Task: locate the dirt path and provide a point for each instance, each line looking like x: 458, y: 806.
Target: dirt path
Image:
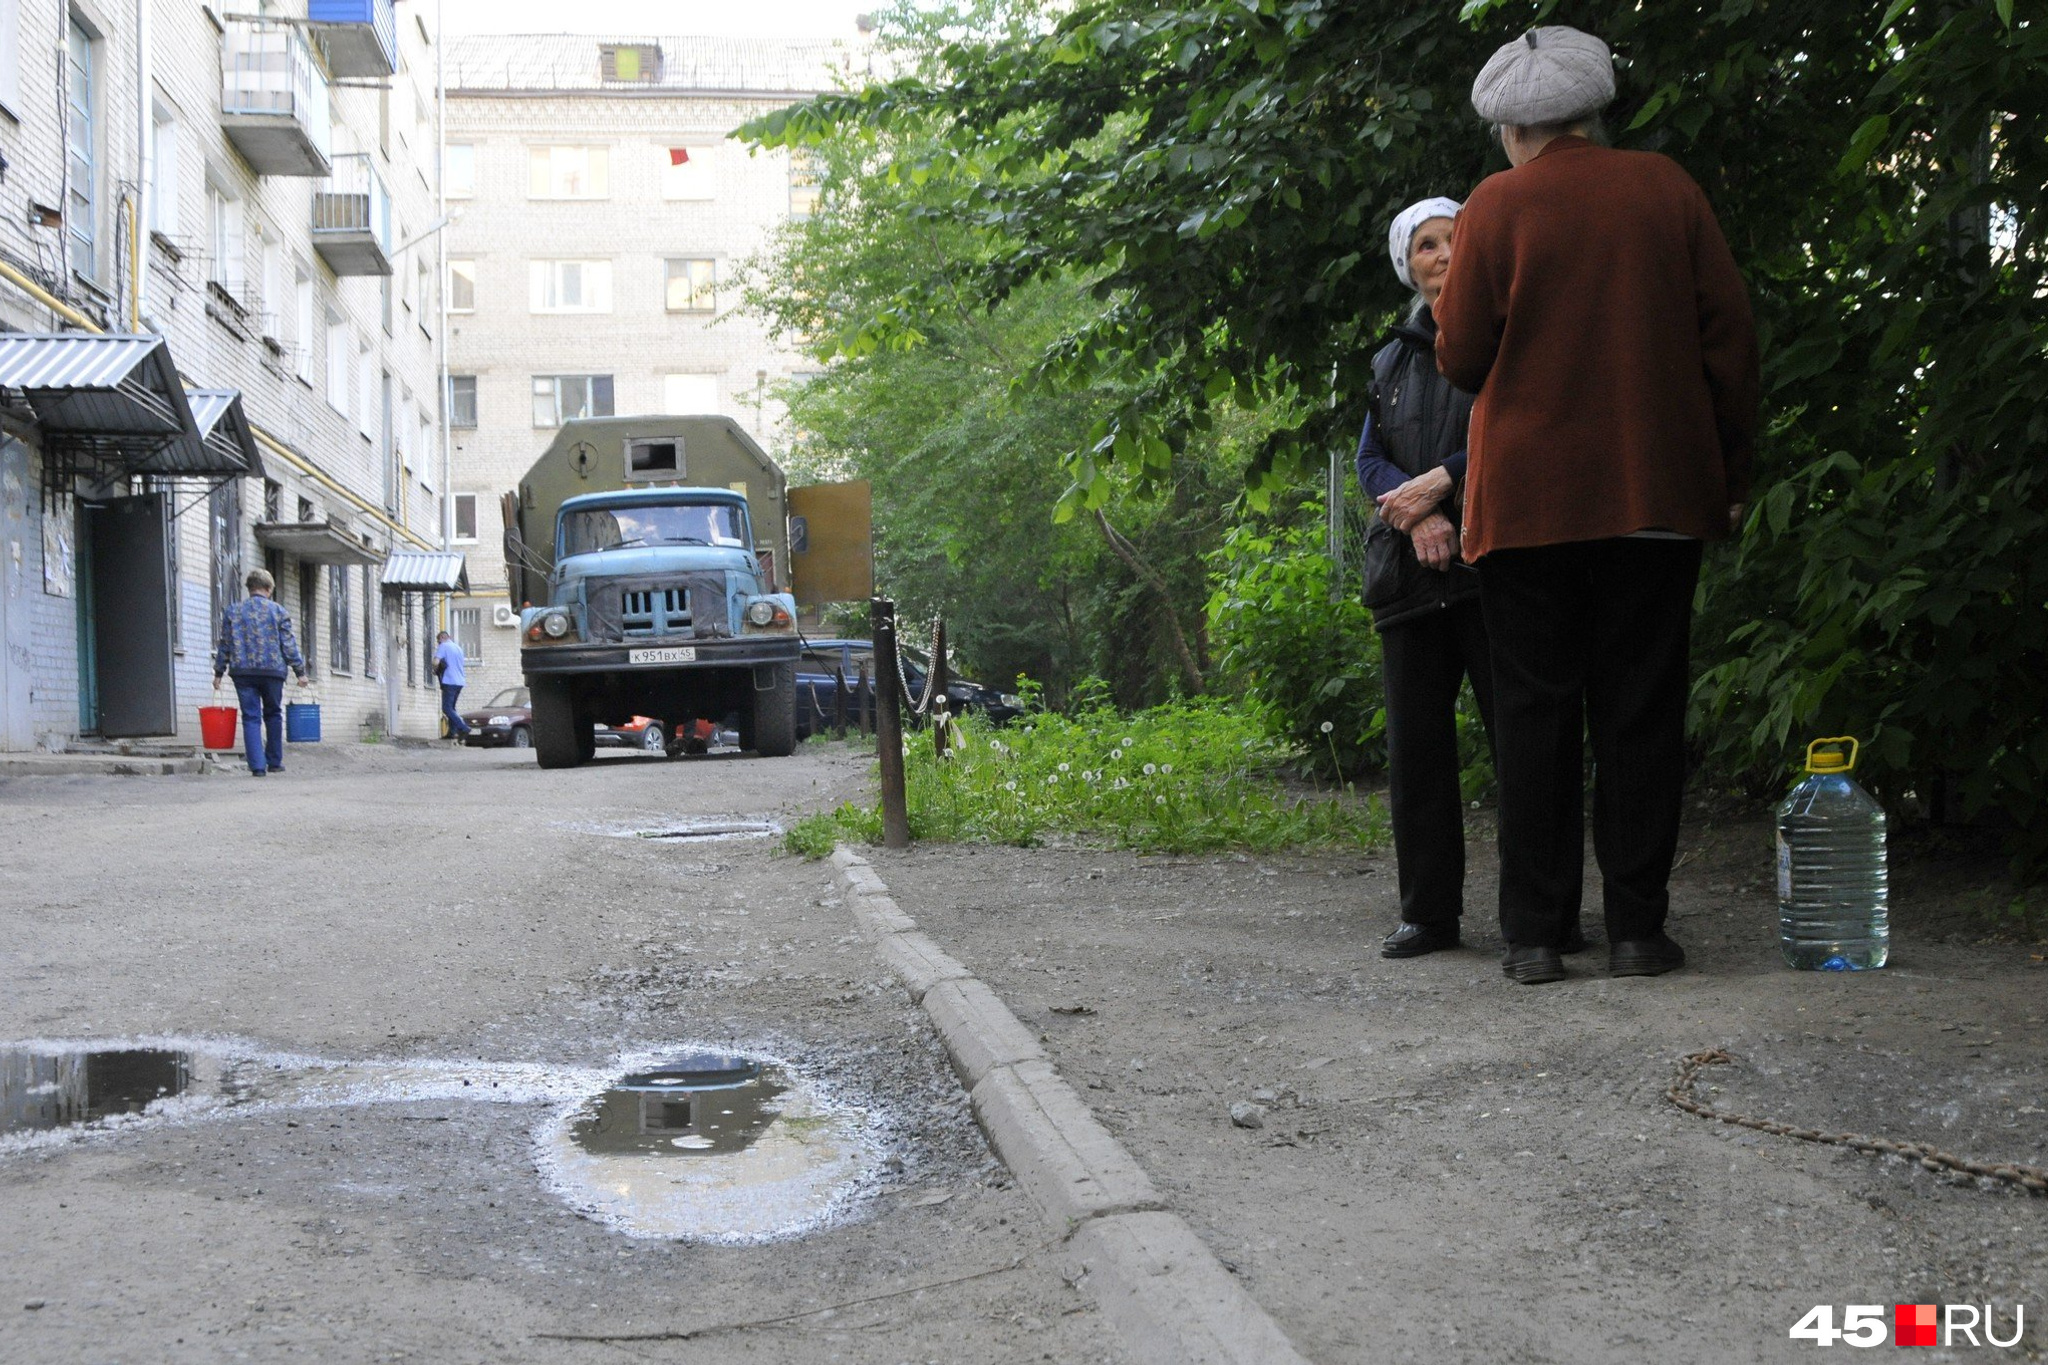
x: 1452, y: 1168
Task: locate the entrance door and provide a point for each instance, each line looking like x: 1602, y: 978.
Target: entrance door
x: 131, y: 616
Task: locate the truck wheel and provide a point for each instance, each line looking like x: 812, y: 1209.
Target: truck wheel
x: 775, y: 715
x: 558, y: 740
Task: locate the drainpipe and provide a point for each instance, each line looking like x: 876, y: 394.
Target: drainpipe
x: 145, y: 135
x: 441, y: 265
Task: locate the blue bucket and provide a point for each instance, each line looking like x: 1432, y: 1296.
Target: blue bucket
x: 302, y: 722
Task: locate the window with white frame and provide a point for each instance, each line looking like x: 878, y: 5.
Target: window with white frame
x: 461, y: 400
x: 272, y: 301
x: 568, y: 173
x: 163, y: 168
x: 341, y: 348
x: 226, y: 266
x: 458, y: 176
x: 461, y: 286
x: 423, y: 291
x: 570, y: 286
x: 465, y: 518
x: 302, y: 334
x: 366, y: 387
x: 689, y: 172
x: 692, y: 284
x: 686, y: 395
x: 466, y: 624
x: 430, y: 453
x: 81, y: 147
x: 558, y: 398
x: 10, y: 57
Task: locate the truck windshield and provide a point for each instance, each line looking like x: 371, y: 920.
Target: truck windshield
x: 615, y: 528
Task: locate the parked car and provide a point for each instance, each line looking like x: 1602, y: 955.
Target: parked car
x: 817, y: 685
x: 507, y: 719
x: 641, y: 732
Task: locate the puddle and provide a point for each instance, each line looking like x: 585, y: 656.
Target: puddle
x: 685, y: 1143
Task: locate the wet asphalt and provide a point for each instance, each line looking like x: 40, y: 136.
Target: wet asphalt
x: 394, y: 922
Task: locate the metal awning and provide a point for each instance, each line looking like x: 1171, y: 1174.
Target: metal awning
x: 224, y: 428
x: 315, y: 542
x: 114, y: 399
x: 425, y: 571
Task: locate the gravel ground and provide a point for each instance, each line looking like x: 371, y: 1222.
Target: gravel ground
x: 397, y: 906
x: 1450, y: 1167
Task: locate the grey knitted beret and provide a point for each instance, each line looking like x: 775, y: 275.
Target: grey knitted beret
x: 1548, y: 75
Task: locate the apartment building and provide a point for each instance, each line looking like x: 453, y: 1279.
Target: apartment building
x: 602, y: 207
x: 220, y: 289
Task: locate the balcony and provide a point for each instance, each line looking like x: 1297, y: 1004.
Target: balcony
x: 352, y: 218
x: 273, y: 99
x: 358, y: 37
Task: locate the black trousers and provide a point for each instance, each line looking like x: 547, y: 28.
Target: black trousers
x: 1590, y: 638
x: 1423, y: 660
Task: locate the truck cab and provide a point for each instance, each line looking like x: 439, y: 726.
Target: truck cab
x: 660, y: 595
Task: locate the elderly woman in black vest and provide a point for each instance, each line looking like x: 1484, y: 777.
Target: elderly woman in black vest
x: 1424, y: 598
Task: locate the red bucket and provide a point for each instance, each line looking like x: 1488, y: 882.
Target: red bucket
x: 219, y: 727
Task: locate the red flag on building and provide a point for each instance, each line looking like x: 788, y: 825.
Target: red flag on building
x: 678, y: 155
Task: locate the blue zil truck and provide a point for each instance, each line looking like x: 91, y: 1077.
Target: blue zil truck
x: 643, y: 554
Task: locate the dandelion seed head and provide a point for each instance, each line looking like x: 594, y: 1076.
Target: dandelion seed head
x: 1151, y: 768
x: 1327, y: 726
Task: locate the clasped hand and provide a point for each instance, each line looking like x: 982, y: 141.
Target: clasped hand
x: 1406, y: 506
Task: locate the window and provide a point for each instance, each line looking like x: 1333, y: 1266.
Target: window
x: 689, y: 394
x: 373, y: 620
x: 465, y: 517
x: 557, y: 398
x: 462, y: 286
x: 366, y: 387
x: 803, y: 184
x: 272, y: 299
x: 654, y: 458
x: 692, y: 285
x: 10, y: 56
x: 225, y: 266
x: 339, y: 348
x: 302, y: 334
x: 427, y: 633
x: 568, y: 173
x: 81, y: 145
x: 163, y: 170
x: 689, y: 173
x: 570, y: 286
x: 467, y: 626
x: 458, y: 177
x: 461, y: 400
x: 635, y: 63
x: 430, y: 453
x: 338, y: 636
x: 273, y: 500
x: 423, y: 292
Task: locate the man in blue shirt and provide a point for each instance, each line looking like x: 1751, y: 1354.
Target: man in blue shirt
x: 255, y: 647
x: 448, y: 663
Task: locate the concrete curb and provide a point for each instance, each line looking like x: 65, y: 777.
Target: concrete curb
x: 97, y: 765
x: 1170, y: 1300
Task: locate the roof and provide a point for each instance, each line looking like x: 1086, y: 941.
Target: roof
x: 119, y: 399
x: 535, y: 63
x: 314, y: 542
x: 224, y: 427
x: 657, y: 496
x: 425, y: 571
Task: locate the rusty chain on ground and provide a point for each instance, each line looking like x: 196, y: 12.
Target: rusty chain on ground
x: 2032, y: 1178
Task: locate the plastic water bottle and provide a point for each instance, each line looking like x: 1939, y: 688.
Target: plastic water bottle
x: 1832, y: 899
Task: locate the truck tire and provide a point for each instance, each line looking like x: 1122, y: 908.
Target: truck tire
x: 774, y: 728
x: 558, y: 741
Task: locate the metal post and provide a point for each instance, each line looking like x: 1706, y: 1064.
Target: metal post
x: 937, y: 688
x: 889, y: 725
x: 839, y: 702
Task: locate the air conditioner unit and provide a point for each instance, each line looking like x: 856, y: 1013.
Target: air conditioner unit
x: 502, y: 614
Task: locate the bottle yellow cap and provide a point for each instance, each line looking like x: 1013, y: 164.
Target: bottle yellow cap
x: 1832, y: 762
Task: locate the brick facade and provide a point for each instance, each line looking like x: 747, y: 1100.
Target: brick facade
x: 233, y: 319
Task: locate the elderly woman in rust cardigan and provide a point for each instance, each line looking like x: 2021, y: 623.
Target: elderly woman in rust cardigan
x: 1595, y: 309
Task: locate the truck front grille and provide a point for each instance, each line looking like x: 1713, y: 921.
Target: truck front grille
x: 659, y: 611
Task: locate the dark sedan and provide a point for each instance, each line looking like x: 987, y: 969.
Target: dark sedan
x: 506, y: 720
x: 817, y: 686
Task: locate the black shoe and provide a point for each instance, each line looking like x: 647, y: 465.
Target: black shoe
x: 1644, y: 957
x: 1532, y: 966
x: 255, y: 772
x: 1413, y: 940
x: 1574, y: 941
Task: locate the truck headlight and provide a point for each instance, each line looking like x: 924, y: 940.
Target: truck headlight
x: 555, y: 624
x: 761, y: 613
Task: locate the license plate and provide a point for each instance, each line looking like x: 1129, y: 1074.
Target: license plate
x: 685, y: 655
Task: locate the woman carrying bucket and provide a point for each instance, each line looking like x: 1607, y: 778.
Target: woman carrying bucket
x: 255, y: 646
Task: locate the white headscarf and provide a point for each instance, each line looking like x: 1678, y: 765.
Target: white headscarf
x: 1401, y: 235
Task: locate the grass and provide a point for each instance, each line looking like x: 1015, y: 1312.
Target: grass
x: 1188, y: 777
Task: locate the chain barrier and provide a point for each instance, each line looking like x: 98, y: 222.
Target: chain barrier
x: 931, y: 675
x: 2032, y: 1178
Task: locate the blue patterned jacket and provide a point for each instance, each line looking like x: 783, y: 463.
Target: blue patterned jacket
x: 256, y: 641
